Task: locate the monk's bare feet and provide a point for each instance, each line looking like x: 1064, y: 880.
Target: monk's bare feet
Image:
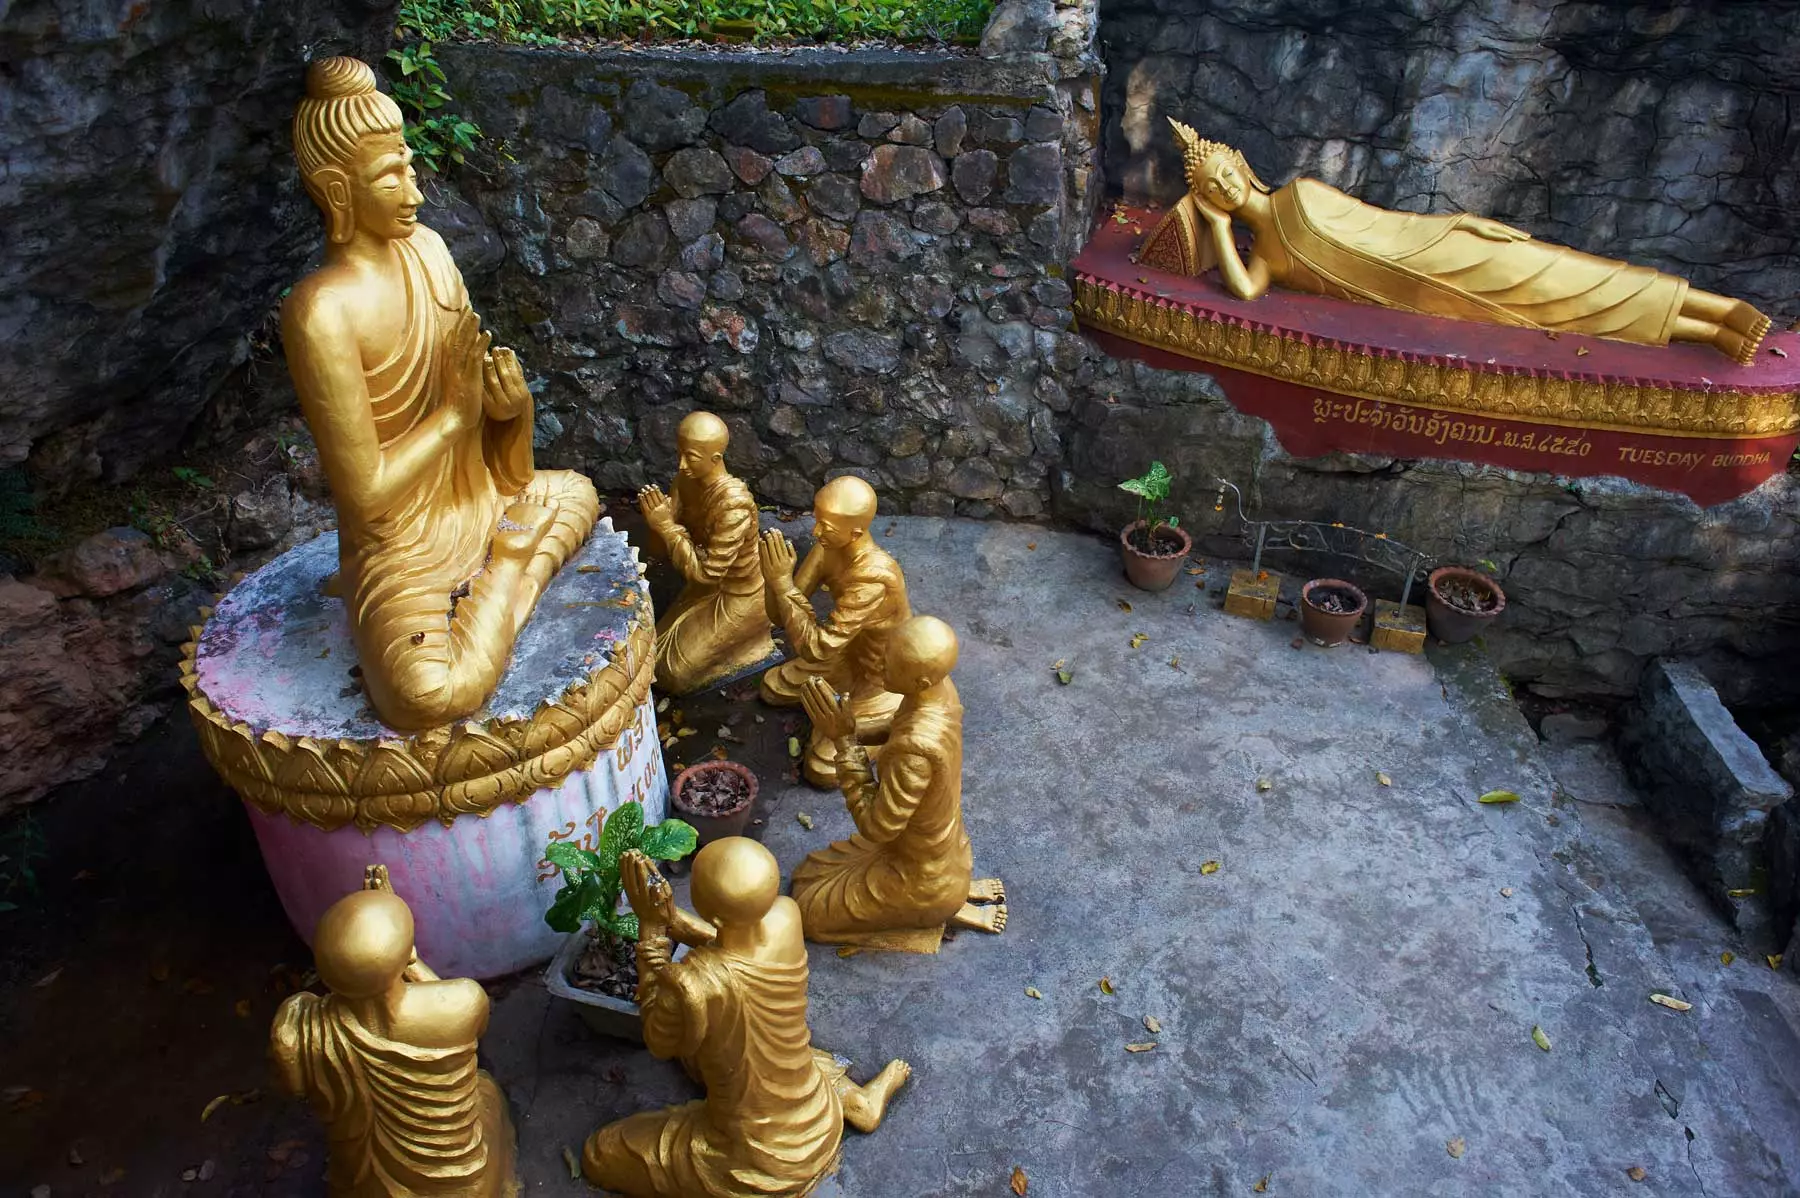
x: 987, y: 890
x: 521, y: 530
x: 981, y: 919
x: 866, y: 1115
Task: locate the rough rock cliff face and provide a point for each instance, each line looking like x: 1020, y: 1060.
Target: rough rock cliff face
x: 151, y: 209
x: 1658, y: 132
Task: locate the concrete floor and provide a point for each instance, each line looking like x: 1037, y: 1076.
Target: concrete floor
x: 1347, y: 1001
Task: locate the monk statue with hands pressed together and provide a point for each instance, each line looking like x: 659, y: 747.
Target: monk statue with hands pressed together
x: 733, y: 1011
x: 1311, y: 237
x: 906, y: 873
x: 718, y: 627
x: 848, y: 648
x: 447, y: 534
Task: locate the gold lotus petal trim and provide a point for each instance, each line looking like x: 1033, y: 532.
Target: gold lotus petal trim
x: 441, y: 773
x: 1621, y: 406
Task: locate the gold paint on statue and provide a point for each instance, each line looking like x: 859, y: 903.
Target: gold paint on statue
x: 1622, y: 406
x: 905, y: 874
x: 387, y: 1059
x: 849, y: 648
x: 719, y: 627
x: 470, y: 768
x: 1311, y: 237
x: 734, y: 1012
x: 447, y: 534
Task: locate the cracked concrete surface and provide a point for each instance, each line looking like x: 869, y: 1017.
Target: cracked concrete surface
x: 1348, y: 994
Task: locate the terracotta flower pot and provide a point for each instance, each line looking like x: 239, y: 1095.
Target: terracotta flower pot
x: 711, y: 826
x: 1154, y: 571
x: 1452, y: 624
x: 1325, y: 627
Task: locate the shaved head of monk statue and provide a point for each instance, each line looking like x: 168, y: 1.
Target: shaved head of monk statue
x: 719, y: 626
x: 848, y: 649
x: 447, y: 534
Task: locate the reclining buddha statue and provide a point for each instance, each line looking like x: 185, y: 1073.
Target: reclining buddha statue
x: 1309, y: 236
x: 447, y: 535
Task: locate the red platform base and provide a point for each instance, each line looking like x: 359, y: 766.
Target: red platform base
x: 1332, y: 375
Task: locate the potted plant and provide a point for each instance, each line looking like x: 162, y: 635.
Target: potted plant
x: 597, y: 970
x: 1330, y: 610
x: 1154, y: 547
x: 1461, y: 602
x: 715, y: 797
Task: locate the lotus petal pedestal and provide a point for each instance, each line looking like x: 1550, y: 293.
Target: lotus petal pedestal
x: 460, y: 815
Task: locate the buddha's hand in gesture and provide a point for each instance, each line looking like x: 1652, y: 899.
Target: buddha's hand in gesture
x: 657, y: 507
x: 829, y: 711
x: 504, y: 394
x: 465, y: 384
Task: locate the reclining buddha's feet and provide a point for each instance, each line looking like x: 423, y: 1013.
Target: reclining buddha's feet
x: 983, y: 918
x: 987, y: 890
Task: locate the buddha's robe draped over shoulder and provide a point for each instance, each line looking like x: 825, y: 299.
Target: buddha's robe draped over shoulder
x: 908, y: 865
x: 403, y: 1120
x: 718, y: 625
x: 1338, y: 246
x: 771, y: 1121
x: 401, y: 566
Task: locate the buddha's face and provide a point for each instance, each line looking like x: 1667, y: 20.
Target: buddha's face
x: 384, y: 191
x: 1222, y: 184
x: 834, y: 530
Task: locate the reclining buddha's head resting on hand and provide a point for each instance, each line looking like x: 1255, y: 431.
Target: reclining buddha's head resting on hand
x: 1217, y: 175
x: 350, y: 141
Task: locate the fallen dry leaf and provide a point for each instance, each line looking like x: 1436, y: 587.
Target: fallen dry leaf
x: 1581, y: 351
x: 1196, y: 570
x: 1033, y: 992
x: 1141, y: 1046
x: 1261, y: 1187
x: 242, y: 1007
x: 1774, y: 960
x: 1674, y: 1004
x: 1064, y: 677
x: 1123, y: 605
x: 805, y: 820
x: 1153, y: 1025
x: 1264, y: 784
x: 214, y: 1105
x: 1175, y: 663
x: 1457, y: 1147
x: 1539, y: 1038
x: 1383, y: 779
x: 1138, y: 638
x: 1209, y: 867
x: 1031, y: 544
x: 1637, y: 1173
x: 1727, y: 957
x: 1498, y: 796
x: 1741, y: 892
x: 574, y: 1166
x: 21, y: 1098
x: 662, y: 704
x: 793, y: 746
x: 1019, y: 1181
x: 1506, y: 892
x: 1106, y: 986
x: 1298, y: 642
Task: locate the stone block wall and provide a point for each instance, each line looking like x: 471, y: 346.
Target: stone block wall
x: 856, y: 257
x: 1652, y: 131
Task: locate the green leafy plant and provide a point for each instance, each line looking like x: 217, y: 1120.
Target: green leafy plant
x: 591, y: 884
x: 193, y: 477
x: 1152, y: 491
x: 20, y: 845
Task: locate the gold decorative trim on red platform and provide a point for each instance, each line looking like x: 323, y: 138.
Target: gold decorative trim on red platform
x: 470, y: 768
x: 1537, y: 399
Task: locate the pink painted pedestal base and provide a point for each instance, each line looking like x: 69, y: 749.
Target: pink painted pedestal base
x: 478, y: 888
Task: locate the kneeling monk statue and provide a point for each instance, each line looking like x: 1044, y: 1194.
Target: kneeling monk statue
x: 446, y: 533
x: 388, y: 1061
x: 734, y: 1011
x: 1309, y: 236
x: 719, y: 627
x: 906, y: 872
